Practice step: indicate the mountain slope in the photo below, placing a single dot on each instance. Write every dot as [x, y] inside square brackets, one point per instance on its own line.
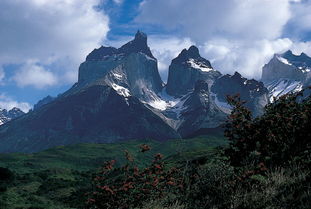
[96, 114]
[286, 73]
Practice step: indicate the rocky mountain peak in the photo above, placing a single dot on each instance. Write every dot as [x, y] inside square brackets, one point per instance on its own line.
[287, 66]
[191, 55]
[101, 53]
[186, 69]
[139, 44]
[6, 116]
[141, 36]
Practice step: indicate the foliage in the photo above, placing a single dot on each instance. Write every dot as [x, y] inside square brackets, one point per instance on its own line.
[281, 135]
[128, 186]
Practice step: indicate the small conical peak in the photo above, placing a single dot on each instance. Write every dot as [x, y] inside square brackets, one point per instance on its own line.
[187, 54]
[139, 44]
[237, 74]
[141, 36]
[288, 53]
[193, 52]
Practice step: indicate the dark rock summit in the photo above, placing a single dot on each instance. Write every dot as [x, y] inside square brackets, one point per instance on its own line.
[186, 69]
[253, 92]
[139, 44]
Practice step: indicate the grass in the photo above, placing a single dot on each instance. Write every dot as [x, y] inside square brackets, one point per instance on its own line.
[84, 157]
[59, 177]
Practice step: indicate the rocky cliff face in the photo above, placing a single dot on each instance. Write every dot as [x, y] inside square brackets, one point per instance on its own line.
[131, 68]
[200, 111]
[253, 92]
[186, 69]
[6, 116]
[286, 73]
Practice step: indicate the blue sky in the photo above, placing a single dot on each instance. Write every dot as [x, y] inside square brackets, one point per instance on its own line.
[43, 42]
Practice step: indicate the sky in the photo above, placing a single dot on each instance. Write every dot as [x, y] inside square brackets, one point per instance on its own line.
[43, 42]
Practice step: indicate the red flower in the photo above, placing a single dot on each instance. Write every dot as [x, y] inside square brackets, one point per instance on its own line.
[144, 148]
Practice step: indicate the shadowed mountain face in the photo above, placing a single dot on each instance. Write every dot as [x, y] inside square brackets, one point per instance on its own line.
[96, 114]
[201, 112]
[6, 116]
[186, 69]
[251, 91]
[120, 96]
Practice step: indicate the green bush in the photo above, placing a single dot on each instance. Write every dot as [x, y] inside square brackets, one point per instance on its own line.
[281, 135]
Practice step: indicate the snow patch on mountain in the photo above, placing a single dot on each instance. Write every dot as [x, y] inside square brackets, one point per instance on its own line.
[121, 90]
[199, 65]
[223, 106]
[6, 116]
[281, 87]
[283, 60]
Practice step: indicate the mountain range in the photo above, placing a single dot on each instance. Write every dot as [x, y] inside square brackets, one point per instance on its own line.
[120, 96]
[6, 116]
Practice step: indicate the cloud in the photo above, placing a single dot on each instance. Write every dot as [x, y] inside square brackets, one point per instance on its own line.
[236, 35]
[2, 74]
[202, 20]
[32, 74]
[8, 103]
[299, 47]
[165, 48]
[238, 56]
[59, 33]
[118, 1]
[300, 23]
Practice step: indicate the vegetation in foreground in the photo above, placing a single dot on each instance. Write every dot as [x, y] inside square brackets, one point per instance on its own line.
[265, 165]
[59, 178]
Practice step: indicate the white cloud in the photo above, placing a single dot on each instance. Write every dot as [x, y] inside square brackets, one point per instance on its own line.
[32, 74]
[59, 33]
[8, 103]
[202, 20]
[301, 18]
[299, 47]
[165, 49]
[118, 1]
[239, 56]
[236, 35]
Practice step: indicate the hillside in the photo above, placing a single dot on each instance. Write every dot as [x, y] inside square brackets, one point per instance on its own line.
[59, 177]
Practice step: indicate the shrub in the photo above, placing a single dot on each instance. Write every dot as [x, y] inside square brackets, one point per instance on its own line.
[281, 135]
[130, 186]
